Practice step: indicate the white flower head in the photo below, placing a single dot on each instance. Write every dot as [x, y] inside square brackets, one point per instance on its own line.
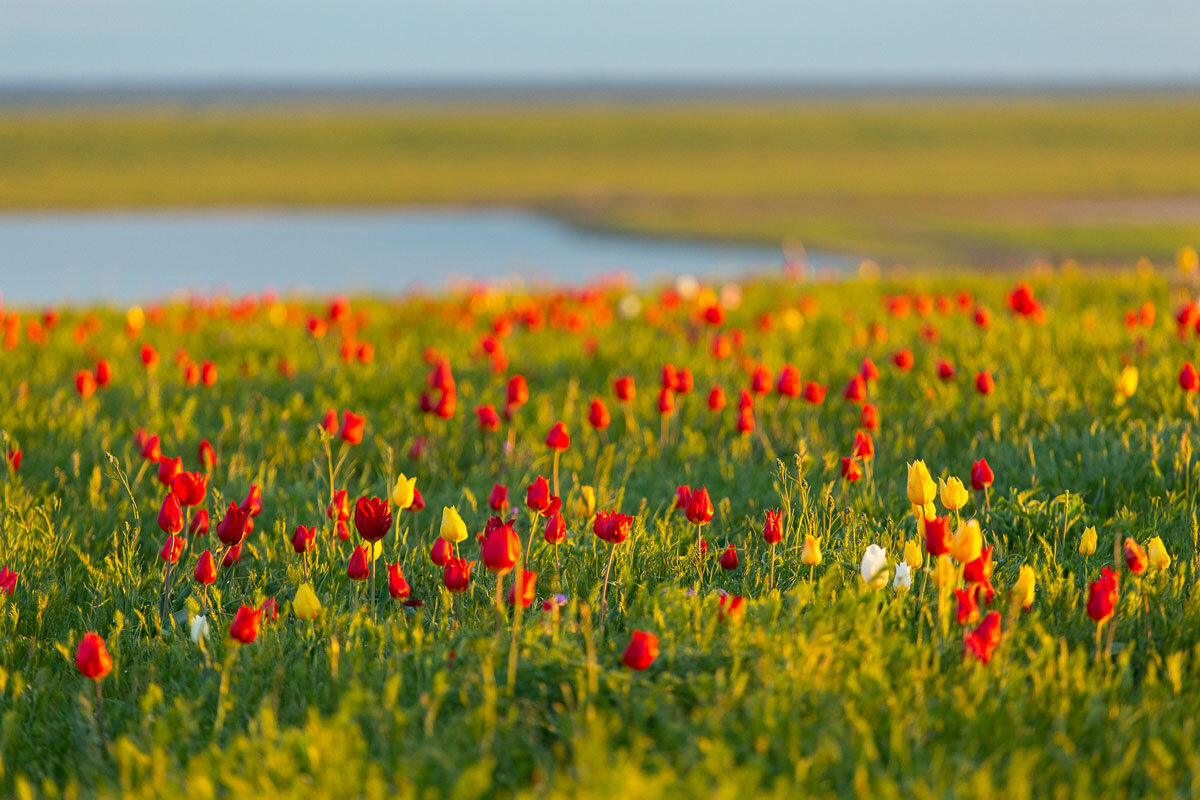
[199, 628]
[903, 580]
[874, 567]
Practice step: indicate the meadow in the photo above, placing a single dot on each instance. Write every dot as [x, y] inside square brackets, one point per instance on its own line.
[878, 629]
[994, 178]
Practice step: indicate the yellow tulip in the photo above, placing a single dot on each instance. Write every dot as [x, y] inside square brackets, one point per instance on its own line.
[953, 494]
[305, 605]
[921, 488]
[135, 318]
[402, 492]
[1023, 589]
[811, 553]
[913, 556]
[945, 574]
[454, 530]
[1087, 542]
[968, 542]
[1186, 260]
[589, 500]
[1127, 381]
[1159, 559]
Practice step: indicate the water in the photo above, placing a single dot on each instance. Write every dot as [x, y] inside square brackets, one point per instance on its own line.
[143, 255]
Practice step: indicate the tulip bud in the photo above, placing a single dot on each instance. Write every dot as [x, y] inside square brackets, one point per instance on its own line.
[903, 580]
[1087, 542]
[402, 492]
[1127, 381]
[912, 554]
[968, 542]
[91, 657]
[642, 650]
[453, 529]
[1159, 559]
[246, 622]
[921, 489]
[953, 494]
[305, 604]
[199, 629]
[1023, 589]
[1135, 556]
[773, 527]
[729, 559]
[945, 574]
[398, 587]
[874, 567]
[810, 554]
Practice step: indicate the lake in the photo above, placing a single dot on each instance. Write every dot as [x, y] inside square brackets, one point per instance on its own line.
[142, 255]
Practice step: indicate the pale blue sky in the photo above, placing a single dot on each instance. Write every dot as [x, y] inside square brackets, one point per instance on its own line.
[169, 41]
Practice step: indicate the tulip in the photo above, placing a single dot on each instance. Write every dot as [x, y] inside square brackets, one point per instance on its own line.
[537, 496]
[984, 383]
[773, 527]
[953, 494]
[729, 559]
[588, 495]
[232, 556]
[372, 518]
[903, 359]
[760, 380]
[501, 549]
[864, 446]
[189, 487]
[700, 508]
[874, 567]
[398, 587]
[206, 456]
[716, 399]
[683, 495]
[945, 370]
[870, 417]
[91, 657]
[1189, 378]
[8, 580]
[246, 622]
[982, 642]
[14, 459]
[981, 475]
[517, 392]
[856, 389]
[624, 389]
[103, 373]
[1135, 556]
[968, 542]
[528, 581]
[868, 370]
[598, 416]
[149, 357]
[359, 566]
[810, 554]
[903, 580]
[453, 529]
[641, 651]
[351, 431]
[745, 422]
[979, 570]
[1102, 598]
[205, 572]
[457, 574]
[851, 469]
[666, 402]
[305, 604]
[418, 502]
[731, 608]
[1087, 542]
[172, 549]
[498, 499]
[232, 527]
[199, 629]
[912, 553]
[945, 574]
[558, 439]
[938, 540]
[556, 529]
[788, 384]
[1127, 381]
[170, 515]
[612, 526]
[304, 539]
[968, 610]
[921, 488]
[489, 420]
[85, 383]
[441, 553]
[1023, 589]
[330, 422]
[168, 468]
[402, 492]
[1159, 559]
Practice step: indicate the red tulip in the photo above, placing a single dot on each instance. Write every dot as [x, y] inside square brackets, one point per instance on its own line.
[537, 497]
[967, 610]
[682, 495]
[773, 527]
[8, 580]
[85, 383]
[745, 423]
[624, 389]
[501, 549]
[612, 526]
[556, 529]
[856, 389]
[979, 570]
[398, 587]
[441, 377]
[189, 487]
[945, 370]
[151, 450]
[984, 384]
[642, 650]
[170, 514]
[208, 373]
[498, 499]
[684, 382]
[330, 422]
[1102, 595]
[981, 475]
[864, 446]
[760, 380]
[982, 641]
[870, 417]
[903, 359]
[518, 392]
[168, 468]
[489, 420]
[172, 549]
[788, 383]
[731, 608]
[666, 402]
[558, 438]
[1135, 556]
[253, 501]
[199, 524]
[246, 622]
[352, 427]
[359, 566]
[868, 370]
[814, 393]
[149, 356]
[669, 376]
[1189, 379]
[598, 415]
[206, 569]
[14, 458]
[103, 373]
[339, 508]
[457, 574]
[441, 553]
[191, 374]
[418, 502]
[729, 559]
[206, 456]
[372, 518]
[1022, 301]
[851, 469]
[716, 399]
[304, 539]
[937, 536]
[528, 587]
[232, 527]
[91, 657]
[232, 556]
[700, 508]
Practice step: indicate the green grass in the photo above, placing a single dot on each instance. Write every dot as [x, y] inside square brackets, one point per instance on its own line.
[826, 687]
[990, 179]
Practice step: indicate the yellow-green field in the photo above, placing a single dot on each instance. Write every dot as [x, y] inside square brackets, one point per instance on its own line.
[992, 179]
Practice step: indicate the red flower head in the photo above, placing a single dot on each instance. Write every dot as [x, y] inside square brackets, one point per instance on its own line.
[731, 608]
[245, 625]
[446, 404]
[556, 529]
[945, 370]
[441, 377]
[598, 415]
[851, 469]
[498, 499]
[199, 525]
[937, 536]
[666, 401]
[91, 657]
[8, 580]
[760, 380]
[699, 508]
[788, 383]
[870, 417]
[624, 389]
[773, 527]
[206, 456]
[85, 383]
[501, 549]
[814, 393]
[716, 399]
[981, 475]
[864, 446]
[457, 574]
[489, 420]
[528, 588]
[208, 373]
[172, 549]
[103, 373]
[149, 356]
[339, 509]
[684, 382]
[304, 539]
[329, 423]
[518, 392]
[982, 641]
[558, 438]
[856, 389]
[206, 569]
[253, 501]
[1189, 379]
[537, 497]
[642, 650]
[398, 588]
[232, 527]
[14, 458]
[682, 495]
[372, 518]
[170, 515]
[669, 376]
[729, 559]
[168, 468]
[352, 427]
[984, 383]
[968, 609]
[359, 566]
[745, 423]
[270, 609]
[979, 570]
[1135, 556]
[1022, 301]
[612, 526]
[418, 502]
[903, 359]
[189, 487]
[441, 553]
[868, 370]
[1102, 595]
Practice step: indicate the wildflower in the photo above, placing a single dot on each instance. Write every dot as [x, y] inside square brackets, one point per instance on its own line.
[441, 553]
[1102, 595]
[945, 574]
[170, 514]
[729, 559]
[731, 608]
[372, 518]
[968, 542]
[359, 566]
[528, 587]
[556, 529]
[903, 359]
[967, 612]
[814, 393]
[1087, 542]
[304, 539]
[624, 389]
[1159, 559]
[612, 526]
[232, 527]
[1023, 589]
[598, 416]
[85, 383]
[398, 587]
[199, 628]
[252, 503]
[953, 494]
[921, 488]
[453, 529]
[902, 582]
[1127, 381]
[1189, 378]
[246, 622]
[642, 650]
[864, 446]
[206, 569]
[537, 496]
[981, 475]
[874, 567]
[351, 431]
[982, 642]
[189, 487]
[457, 574]
[91, 657]
[498, 499]
[912, 554]
[305, 604]
[979, 570]
[501, 549]
[206, 455]
[168, 469]
[489, 420]
[870, 417]
[810, 554]
[8, 580]
[558, 438]
[984, 383]
[1135, 556]
[773, 527]
[716, 399]
[788, 384]
[700, 508]
[851, 469]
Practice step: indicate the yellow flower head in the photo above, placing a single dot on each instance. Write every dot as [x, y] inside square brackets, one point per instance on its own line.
[1159, 559]
[1023, 589]
[589, 500]
[305, 605]
[135, 318]
[953, 494]
[968, 542]
[1087, 542]
[945, 574]
[811, 553]
[1127, 381]
[913, 555]
[402, 492]
[1186, 260]
[454, 530]
[921, 488]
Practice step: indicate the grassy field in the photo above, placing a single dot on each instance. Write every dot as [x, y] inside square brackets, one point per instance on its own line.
[991, 179]
[826, 685]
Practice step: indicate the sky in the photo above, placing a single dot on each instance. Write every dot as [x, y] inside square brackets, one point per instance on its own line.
[170, 42]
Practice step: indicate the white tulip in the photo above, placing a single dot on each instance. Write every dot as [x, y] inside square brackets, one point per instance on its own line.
[903, 580]
[874, 567]
[199, 628]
